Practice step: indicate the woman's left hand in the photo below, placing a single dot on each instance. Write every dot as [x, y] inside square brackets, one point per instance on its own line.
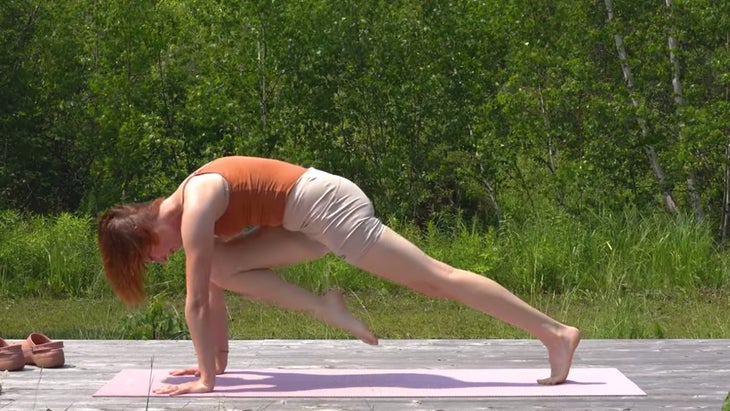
[220, 368]
[186, 371]
[185, 388]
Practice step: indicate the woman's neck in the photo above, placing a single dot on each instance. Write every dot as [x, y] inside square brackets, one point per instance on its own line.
[171, 210]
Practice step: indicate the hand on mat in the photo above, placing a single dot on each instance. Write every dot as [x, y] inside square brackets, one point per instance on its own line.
[194, 371]
[186, 371]
[185, 388]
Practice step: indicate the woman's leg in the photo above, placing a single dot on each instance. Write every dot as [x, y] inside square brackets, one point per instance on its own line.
[394, 258]
[243, 266]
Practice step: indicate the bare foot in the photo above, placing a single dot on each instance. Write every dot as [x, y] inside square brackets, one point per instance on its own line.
[560, 353]
[335, 313]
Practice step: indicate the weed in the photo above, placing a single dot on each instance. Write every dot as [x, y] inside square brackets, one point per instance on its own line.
[160, 319]
[3, 376]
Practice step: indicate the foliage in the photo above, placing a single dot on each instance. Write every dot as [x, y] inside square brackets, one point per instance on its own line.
[481, 108]
[158, 320]
[501, 136]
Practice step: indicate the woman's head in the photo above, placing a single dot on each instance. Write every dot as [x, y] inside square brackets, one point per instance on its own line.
[126, 234]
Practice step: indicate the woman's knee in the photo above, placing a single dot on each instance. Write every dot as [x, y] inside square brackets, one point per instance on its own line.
[219, 275]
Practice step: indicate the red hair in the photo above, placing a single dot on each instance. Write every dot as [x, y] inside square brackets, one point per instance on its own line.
[125, 235]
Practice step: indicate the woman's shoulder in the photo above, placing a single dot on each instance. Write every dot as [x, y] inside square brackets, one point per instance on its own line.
[211, 186]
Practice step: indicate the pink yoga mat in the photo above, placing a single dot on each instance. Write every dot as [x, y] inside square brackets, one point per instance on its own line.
[327, 382]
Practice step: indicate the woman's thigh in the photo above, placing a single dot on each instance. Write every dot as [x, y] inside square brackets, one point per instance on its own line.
[394, 258]
[267, 247]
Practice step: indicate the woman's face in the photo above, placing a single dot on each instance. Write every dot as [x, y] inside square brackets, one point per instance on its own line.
[169, 242]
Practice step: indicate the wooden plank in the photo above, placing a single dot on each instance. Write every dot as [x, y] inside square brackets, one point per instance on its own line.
[687, 374]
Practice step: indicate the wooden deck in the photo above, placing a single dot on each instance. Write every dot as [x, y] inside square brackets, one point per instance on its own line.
[675, 374]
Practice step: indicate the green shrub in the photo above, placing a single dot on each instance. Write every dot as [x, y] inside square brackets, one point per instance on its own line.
[159, 319]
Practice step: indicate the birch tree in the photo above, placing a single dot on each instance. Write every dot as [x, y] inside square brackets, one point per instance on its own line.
[694, 196]
[648, 148]
[725, 217]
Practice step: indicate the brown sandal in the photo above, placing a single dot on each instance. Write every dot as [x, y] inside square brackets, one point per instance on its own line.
[11, 356]
[40, 351]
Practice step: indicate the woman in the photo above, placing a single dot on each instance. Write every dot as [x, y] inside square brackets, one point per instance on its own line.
[303, 214]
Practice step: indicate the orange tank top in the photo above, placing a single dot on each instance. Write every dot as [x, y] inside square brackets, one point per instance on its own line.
[259, 188]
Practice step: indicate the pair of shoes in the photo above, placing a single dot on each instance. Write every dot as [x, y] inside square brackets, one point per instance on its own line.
[40, 351]
[11, 356]
[36, 350]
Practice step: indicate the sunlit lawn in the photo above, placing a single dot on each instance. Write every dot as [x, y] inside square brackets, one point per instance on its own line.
[391, 316]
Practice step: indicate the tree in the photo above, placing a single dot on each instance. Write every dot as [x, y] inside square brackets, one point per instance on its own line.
[44, 132]
[649, 148]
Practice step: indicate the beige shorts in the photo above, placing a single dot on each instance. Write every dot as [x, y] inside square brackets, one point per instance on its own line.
[334, 211]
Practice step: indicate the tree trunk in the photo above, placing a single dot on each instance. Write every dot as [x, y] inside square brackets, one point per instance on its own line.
[648, 148]
[491, 196]
[491, 193]
[550, 149]
[494, 203]
[263, 85]
[694, 196]
[725, 218]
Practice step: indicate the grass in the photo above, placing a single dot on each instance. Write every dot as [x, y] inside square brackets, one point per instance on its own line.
[553, 253]
[616, 275]
[394, 315]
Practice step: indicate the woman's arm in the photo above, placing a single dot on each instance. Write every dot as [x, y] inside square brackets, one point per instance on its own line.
[219, 324]
[205, 200]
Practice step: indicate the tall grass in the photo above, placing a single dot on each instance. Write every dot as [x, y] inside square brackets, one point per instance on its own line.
[610, 253]
[616, 275]
[552, 253]
[48, 256]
